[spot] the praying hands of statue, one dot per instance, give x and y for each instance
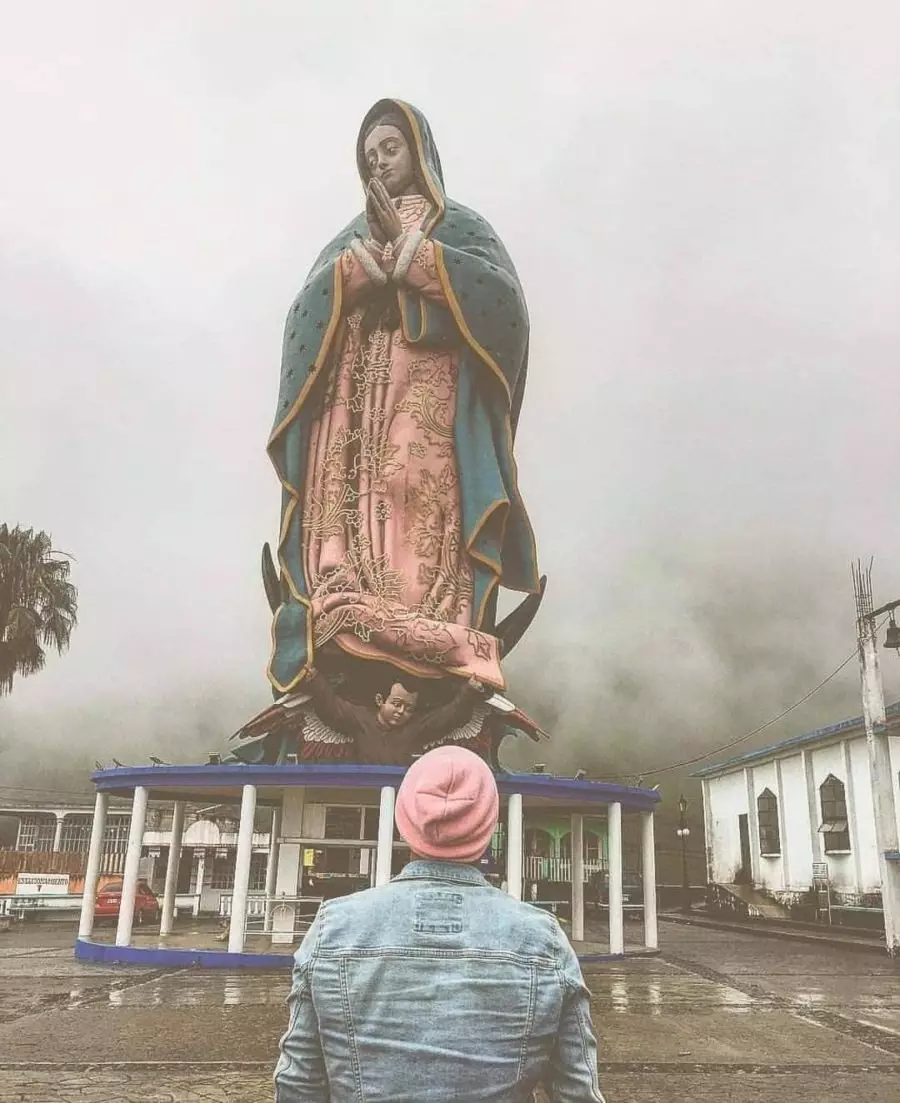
(381, 214)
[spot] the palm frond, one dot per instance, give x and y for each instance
(38, 603)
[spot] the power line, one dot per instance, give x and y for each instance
(611, 777)
(742, 738)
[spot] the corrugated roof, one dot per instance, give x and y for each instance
(796, 741)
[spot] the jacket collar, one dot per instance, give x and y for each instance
(428, 870)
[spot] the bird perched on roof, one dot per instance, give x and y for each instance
(158, 761)
(98, 765)
(116, 762)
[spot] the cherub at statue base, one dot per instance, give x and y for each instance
(329, 720)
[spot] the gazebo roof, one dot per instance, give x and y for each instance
(225, 781)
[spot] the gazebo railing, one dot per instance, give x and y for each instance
(262, 910)
(560, 869)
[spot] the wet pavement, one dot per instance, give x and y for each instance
(725, 1016)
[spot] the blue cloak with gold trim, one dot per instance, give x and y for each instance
(487, 320)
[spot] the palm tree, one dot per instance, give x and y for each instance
(38, 603)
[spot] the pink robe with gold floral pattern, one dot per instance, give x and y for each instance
(387, 572)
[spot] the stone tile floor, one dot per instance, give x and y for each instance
(724, 1016)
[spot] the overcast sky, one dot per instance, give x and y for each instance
(701, 200)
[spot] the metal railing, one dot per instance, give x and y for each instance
(256, 905)
(559, 869)
(262, 911)
(24, 904)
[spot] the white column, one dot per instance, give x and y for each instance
(287, 865)
(92, 873)
(648, 872)
(175, 837)
(201, 877)
(616, 912)
(272, 863)
(132, 866)
(514, 832)
(708, 832)
(57, 834)
(753, 825)
(385, 851)
(852, 823)
(886, 833)
(577, 877)
(812, 808)
(782, 827)
(238, 926)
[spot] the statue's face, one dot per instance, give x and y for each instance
(397, 708)
(390, 160)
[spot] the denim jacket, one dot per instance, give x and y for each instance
(436, 987)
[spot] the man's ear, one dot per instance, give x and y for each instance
(379, 700)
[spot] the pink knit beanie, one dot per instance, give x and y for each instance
(447, 805)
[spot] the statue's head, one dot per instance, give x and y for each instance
(395, 144)
(397, 705)
(388, 152)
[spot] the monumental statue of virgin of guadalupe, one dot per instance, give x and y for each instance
(403, 370)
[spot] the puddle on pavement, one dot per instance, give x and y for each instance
(656, 997)
(204, 991)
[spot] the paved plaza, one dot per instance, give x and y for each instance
(720, 1015)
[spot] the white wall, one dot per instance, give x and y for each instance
(314, 821)
(796, 842)
(894, 751)
(848, 760)
(869, 874)
(727, 800)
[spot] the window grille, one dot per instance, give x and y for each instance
(76, 834)
(834, 826)
(36, 833)
(767, 814)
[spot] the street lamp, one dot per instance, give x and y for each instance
(892, 637)
(683, 832)
(880, 771)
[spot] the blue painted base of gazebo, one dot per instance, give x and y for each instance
(103, 953)
(227, 781)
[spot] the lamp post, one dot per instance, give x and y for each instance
(880, 772)
(683, 832)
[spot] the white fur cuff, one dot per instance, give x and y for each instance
(367, 261)
(407, 251)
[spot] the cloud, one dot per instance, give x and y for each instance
(701, 207)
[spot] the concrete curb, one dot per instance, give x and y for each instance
(758, 927)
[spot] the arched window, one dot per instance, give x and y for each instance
(593, 846)
(767, 813)
(537, 843)
(834, 815)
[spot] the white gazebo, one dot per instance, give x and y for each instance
(293, 793)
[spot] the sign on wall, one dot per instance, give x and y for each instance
(47, 884)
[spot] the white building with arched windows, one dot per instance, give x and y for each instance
(793, 825)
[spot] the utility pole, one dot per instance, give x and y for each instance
(683, 832)
(886, 834)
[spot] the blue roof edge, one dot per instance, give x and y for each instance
(122, 779)
(774, 749)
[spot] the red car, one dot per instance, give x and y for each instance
(146, 906)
